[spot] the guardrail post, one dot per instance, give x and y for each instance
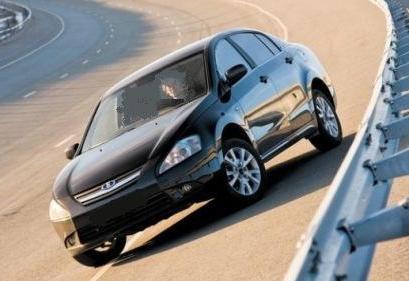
(396, 129)
(384, 225)
(390, 167)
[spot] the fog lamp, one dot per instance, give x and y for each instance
(186, 188)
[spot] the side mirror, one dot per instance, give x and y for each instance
(234, 74)
(71, 150)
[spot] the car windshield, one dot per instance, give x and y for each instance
(147, 98)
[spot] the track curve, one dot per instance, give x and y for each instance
(48, 27)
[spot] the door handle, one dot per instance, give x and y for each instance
(289, 60)
(263, 79)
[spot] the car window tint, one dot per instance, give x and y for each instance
(268, 43)
(256, 50)
(227, 57)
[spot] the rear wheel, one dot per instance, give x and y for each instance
(329, 127)
(243, 172)
(103, 254)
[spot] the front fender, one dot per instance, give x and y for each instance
(234, 117)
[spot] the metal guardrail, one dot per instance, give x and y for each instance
(340, 241)
(21, 15)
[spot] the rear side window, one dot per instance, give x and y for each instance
(227, 57)
(268, 43)
(254, 48)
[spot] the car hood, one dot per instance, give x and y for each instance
(125, 152)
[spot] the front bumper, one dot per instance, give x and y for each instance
(133, 209)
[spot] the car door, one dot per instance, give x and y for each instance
(287, 78)
(264, 112)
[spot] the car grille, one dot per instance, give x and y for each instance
(110, 187)
(154, 207)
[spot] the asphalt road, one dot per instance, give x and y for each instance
(52, 74)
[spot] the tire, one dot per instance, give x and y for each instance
(244, 178)
(329, 127)
(96, 257)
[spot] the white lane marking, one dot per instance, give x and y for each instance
(180, 34)
(178, 42)
(172, 23)
(267, 13)
(106, 42)
(65, 75)
(112, 30)
(42, 46)
(32, 93)
(106, 267)
(165, 18)
(111, 36)
(99, 51)
(85, 62)
(158, 14)
(64, 141)
(177, 27)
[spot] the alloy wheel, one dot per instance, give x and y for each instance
(242, 170)
(326, 115)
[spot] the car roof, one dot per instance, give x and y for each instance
(184, 52)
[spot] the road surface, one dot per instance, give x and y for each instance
(52, 74)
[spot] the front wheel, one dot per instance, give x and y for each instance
(243, 172)
(103, 254)
(329, 127)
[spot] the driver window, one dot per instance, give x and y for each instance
(227, 57)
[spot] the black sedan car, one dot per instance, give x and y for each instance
(204, 118)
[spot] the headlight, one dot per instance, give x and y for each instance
(180, 152)
(57, 212)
